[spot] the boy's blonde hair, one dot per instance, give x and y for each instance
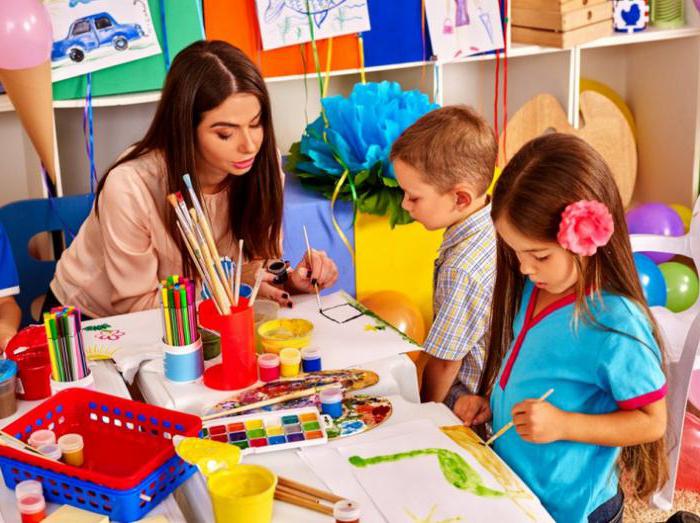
(450, 145)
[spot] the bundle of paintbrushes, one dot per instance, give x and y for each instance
(65, 340)
(179, 311)
(196, 231)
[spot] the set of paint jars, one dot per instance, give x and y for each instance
(288, 363)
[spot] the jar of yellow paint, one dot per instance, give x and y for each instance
(290, 359)
(71, 446)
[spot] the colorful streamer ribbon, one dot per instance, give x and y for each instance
(89, 133)
(164, 29)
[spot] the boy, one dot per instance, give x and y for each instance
(444, 163)
(10, 314)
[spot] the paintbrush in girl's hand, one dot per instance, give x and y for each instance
(508, 425)
(308, 255)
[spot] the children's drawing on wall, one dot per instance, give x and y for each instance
(90, 35)
(433, 475)
(464, 27)
(287, 22)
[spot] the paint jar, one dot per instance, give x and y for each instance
(242, 494)
(211, 344)
(238, 367)
(30, 350)
(289, 361)
(269, 365)
(51, 450)
(71, 446)
(311, 359)
(88, 382)
(183, 364)
(30, 501)
(332, 401)
(41, 437)
(8, 383)
(346, 511)
(264, 310)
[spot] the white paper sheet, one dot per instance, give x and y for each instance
(90, 35)
(417, 488)
(351, 343)
(287, 22)
(460, 28)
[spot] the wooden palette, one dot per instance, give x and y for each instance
(603, 126)
(350, 379)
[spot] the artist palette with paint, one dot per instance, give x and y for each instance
(269, 431)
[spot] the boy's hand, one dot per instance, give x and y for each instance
(539, 421)
(472, 409)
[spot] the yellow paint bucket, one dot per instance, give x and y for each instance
(285, 332)
(243, 494)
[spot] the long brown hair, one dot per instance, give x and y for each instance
(546, 175)
(201, 77)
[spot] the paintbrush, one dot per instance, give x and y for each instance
(272, 401)
(308, 255)
(10, 441)
(208, 235)
(258, 281)
(239, 268)
(508, 425)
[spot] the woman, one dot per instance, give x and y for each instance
(213, 121)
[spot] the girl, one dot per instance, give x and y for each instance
(213, 121)
(569, 315)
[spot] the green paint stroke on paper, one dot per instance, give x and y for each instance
(456, 471)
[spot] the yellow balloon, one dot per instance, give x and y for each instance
(685, 214)
(496, 174)
(399, 311)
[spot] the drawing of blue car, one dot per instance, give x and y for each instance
(92, 32)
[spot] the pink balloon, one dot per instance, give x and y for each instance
(25, 34)
(694, 395)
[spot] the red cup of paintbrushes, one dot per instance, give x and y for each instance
(237, 369)
(29, 349)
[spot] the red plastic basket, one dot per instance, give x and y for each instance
(125, 441)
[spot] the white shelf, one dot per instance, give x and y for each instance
(516, 51)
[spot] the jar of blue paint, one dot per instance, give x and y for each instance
(332, 401)
(311, 359)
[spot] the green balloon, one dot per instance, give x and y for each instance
(681, 285)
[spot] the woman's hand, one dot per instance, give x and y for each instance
(320, 269)
(270, 291)
(539, 421)
(472, 410)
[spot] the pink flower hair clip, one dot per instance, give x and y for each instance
(585, 226)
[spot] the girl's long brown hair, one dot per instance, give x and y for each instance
(546, 175)
(201, 77)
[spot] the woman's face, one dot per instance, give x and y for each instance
(229, 137)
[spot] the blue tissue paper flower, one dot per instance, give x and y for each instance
(356, 136)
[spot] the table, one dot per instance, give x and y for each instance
(287, 463)
(108, 380)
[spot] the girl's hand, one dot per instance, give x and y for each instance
(320, 269)
(539, 421)
(472, 410)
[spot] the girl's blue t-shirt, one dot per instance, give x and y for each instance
(592, 371)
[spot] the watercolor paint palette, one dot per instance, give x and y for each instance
(270, 431)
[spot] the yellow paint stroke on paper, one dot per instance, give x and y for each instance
(430, 516)
(487, 458)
